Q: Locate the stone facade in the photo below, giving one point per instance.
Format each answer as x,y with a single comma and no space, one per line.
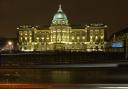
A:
61,36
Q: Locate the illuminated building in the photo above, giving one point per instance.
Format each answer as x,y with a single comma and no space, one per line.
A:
122,37
61,36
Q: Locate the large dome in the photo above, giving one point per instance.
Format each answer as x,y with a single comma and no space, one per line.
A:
60,17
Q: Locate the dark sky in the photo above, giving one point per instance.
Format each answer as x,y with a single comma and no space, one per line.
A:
40,12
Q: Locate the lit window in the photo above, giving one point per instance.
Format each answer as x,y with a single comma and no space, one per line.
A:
78,37
30,39
73,38
88,26
83,37
37,38
25,38
42,38
21,38
96,37
63,22
102,37
25,32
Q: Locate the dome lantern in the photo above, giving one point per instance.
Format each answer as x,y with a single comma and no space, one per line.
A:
60,17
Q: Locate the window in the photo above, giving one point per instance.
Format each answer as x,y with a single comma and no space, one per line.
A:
83,37
73,38
37,38
30,33
25,38
78,37
42,38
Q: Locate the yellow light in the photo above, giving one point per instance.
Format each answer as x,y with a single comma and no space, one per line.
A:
83,37
88,26
70,42
21,38
102,37
78,37
96,37
35,43
37,38
42,38
25,38
9,42
72,38
54,36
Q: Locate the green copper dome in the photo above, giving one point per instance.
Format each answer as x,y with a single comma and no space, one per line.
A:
60,17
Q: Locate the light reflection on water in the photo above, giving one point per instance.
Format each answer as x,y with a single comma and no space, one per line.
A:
78,78
54,75
58,76
77,75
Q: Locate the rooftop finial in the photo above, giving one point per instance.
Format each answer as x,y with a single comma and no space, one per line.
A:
60,10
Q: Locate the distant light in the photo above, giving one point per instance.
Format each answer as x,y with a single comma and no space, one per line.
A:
88,26
105,26
9,42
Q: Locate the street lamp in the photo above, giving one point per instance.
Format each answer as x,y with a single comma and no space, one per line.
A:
10,45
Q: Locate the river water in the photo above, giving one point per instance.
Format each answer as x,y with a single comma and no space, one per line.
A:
66,75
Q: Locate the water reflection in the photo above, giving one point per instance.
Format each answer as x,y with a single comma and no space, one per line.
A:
77,75
66,78
61,76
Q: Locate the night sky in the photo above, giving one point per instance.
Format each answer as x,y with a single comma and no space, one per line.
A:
114,13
